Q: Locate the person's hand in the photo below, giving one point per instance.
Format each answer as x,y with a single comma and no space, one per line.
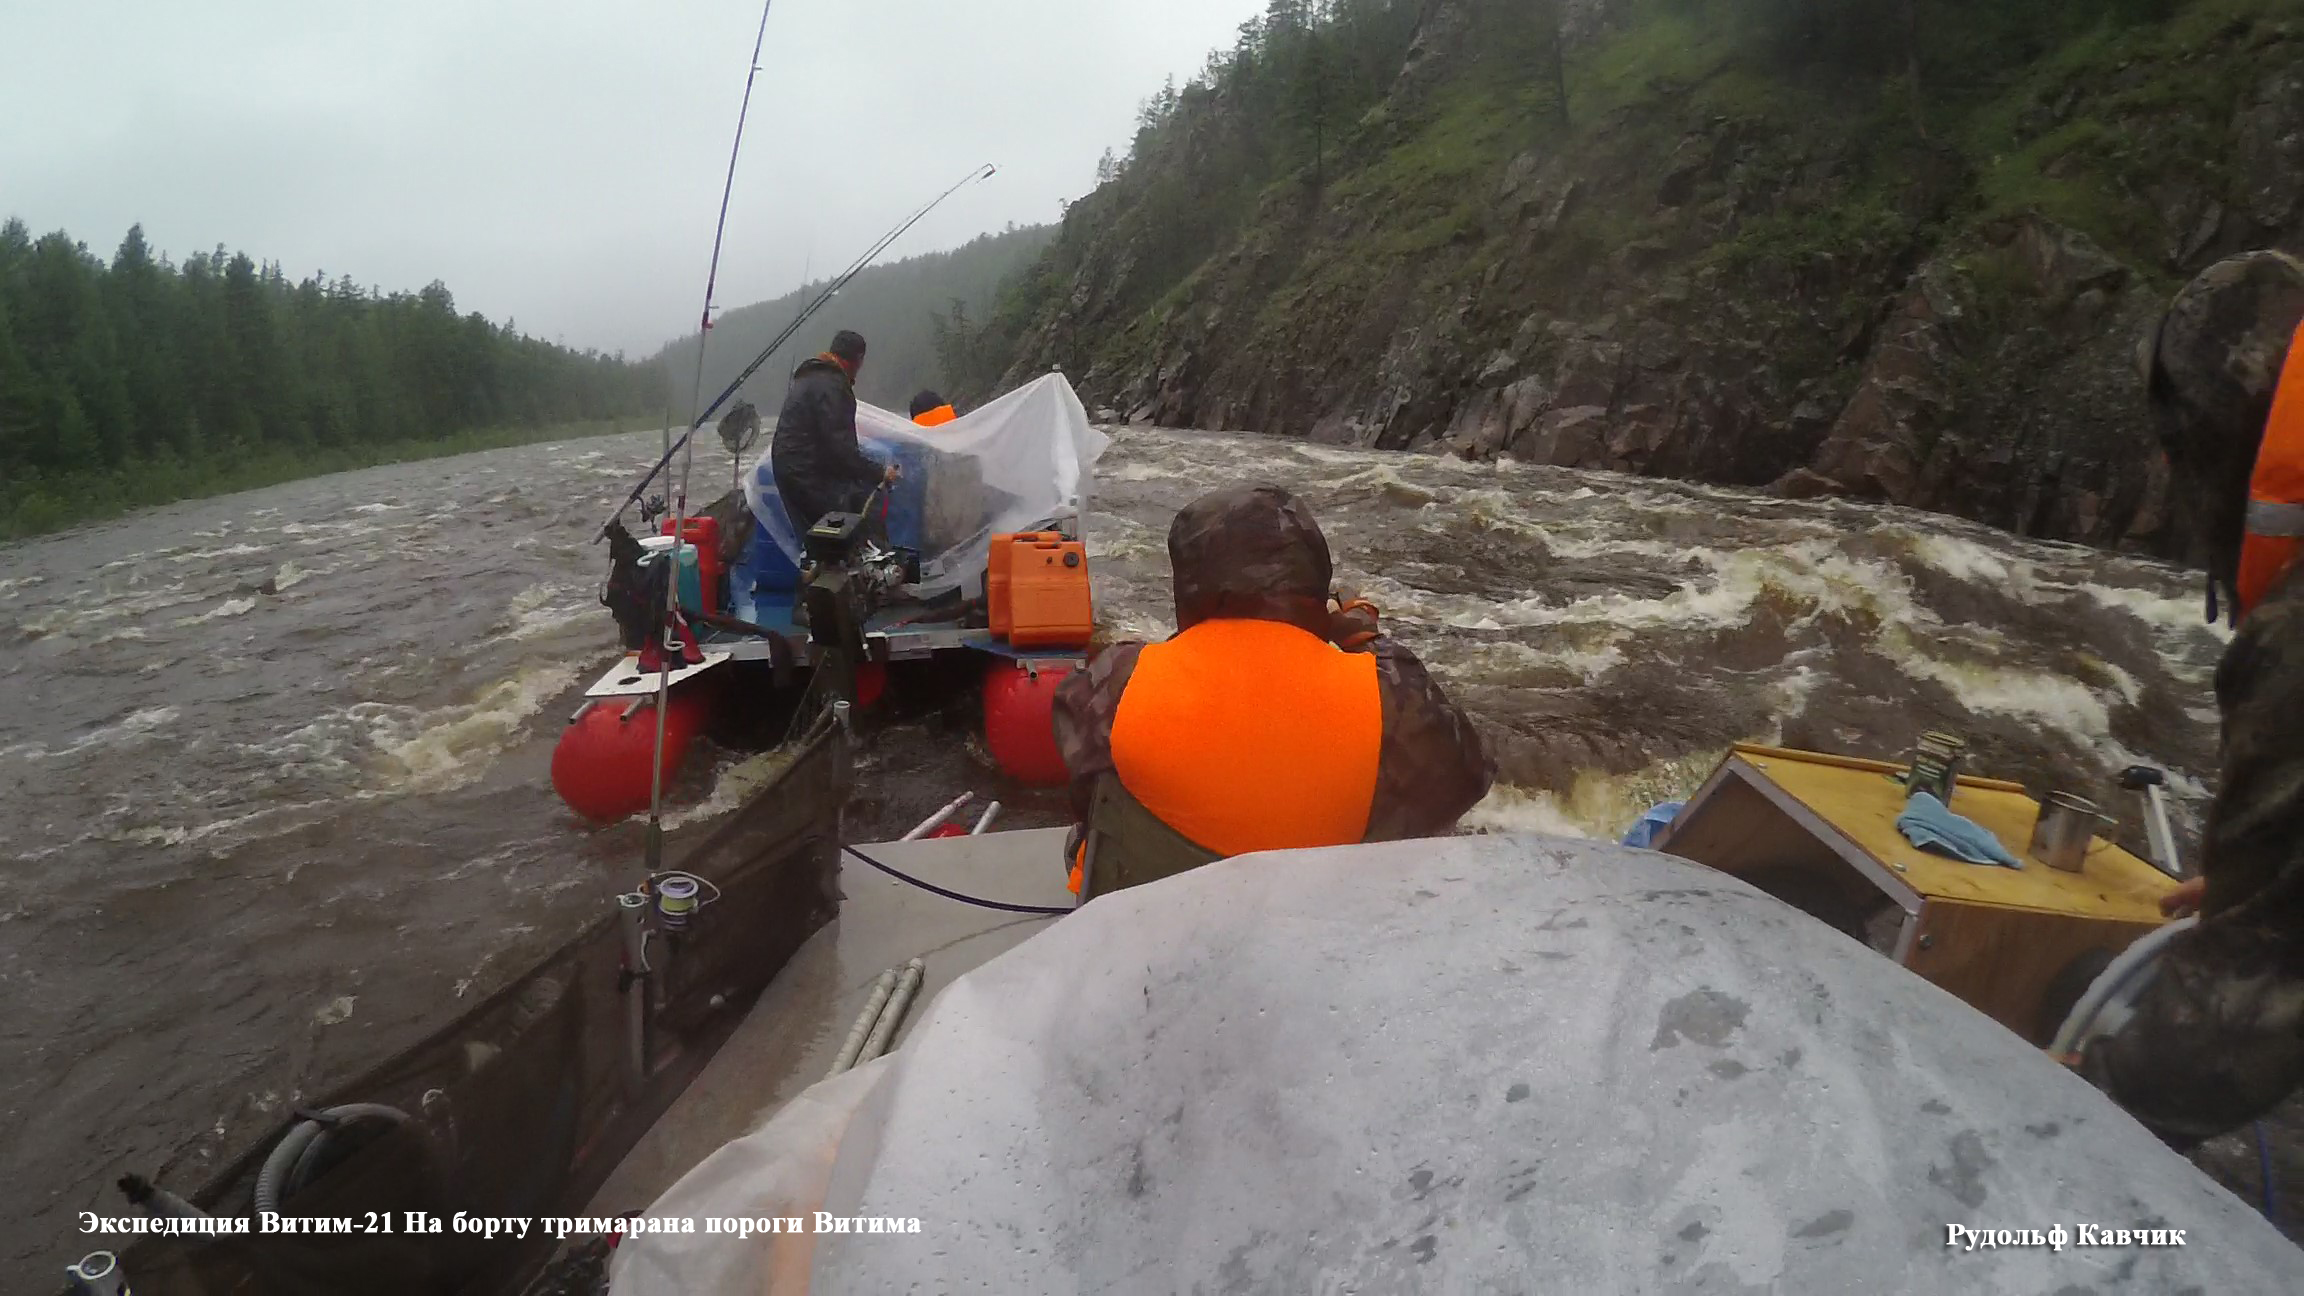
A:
889,477
2185,899
1352,621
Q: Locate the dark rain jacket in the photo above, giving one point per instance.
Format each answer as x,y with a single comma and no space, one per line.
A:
1257,554
2218,1037
819,467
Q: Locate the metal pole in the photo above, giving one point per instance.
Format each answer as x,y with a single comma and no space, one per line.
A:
2161,837
891,1017
991,812
632,911
870,1017
936,820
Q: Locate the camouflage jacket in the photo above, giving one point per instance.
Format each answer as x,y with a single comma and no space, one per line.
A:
2218,1038
1257,553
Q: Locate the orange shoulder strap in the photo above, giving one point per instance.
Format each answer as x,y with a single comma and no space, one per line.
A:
2275,530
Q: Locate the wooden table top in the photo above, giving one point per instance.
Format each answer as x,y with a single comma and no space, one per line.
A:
1857,799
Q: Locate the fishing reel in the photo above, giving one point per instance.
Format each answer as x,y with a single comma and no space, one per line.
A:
847,576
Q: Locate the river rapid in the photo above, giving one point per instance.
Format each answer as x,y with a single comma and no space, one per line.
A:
273,767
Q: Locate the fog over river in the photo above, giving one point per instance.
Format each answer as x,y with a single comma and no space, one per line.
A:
275,764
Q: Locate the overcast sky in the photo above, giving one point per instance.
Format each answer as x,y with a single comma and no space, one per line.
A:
560,163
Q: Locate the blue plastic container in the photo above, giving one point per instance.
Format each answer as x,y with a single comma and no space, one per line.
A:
691,578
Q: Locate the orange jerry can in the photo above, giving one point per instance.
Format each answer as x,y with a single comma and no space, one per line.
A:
1049,605
999,570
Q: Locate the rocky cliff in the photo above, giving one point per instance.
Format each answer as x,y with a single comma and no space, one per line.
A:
1911,267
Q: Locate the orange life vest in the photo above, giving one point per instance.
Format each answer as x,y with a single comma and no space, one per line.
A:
1252,735
2275,531
936,417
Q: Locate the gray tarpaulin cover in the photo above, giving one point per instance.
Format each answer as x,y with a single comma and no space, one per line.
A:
1480,1065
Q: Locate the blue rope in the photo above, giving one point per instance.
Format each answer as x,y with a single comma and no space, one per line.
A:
980,903
2264,1168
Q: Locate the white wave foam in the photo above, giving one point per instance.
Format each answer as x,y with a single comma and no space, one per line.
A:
1792,691
2057,700
545,622
133,725
1103,547
228,608
733,788
1509,662
456,744
1510,810
542,610
293,574
1385,480
227,551
1598,805
2130,691
2166,613
1136,472
1966,560
104,612
320,532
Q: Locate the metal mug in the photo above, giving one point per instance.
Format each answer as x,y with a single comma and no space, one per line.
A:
2067,823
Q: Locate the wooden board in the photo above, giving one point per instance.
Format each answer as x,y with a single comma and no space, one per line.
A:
1860,763
1740,823
1857,800
2000,961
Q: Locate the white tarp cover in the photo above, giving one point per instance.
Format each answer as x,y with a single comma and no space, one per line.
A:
1032,450
1487,1064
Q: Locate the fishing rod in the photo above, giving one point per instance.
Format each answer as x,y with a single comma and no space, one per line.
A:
655,842
831,290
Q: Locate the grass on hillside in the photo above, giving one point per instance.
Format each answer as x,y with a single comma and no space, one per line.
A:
35,507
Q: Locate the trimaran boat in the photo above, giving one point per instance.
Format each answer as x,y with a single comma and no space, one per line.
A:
1492,1064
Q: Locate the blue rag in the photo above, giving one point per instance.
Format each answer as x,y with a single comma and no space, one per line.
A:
1652,824
1927,824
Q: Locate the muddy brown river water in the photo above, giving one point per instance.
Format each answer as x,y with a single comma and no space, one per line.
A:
273,793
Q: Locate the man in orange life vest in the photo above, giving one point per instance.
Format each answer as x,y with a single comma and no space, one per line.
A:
2218,1037
932,410
1272,719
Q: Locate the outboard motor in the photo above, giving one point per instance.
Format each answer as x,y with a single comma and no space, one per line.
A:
847,578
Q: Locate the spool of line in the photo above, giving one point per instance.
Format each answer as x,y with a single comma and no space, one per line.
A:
675,900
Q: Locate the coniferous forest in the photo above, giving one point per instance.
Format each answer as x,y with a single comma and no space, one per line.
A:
137,381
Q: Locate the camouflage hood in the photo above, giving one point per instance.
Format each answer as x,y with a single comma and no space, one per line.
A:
1250,552
2210,368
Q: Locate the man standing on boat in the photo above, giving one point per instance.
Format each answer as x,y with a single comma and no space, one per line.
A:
1276,717
819,467
2218,1037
